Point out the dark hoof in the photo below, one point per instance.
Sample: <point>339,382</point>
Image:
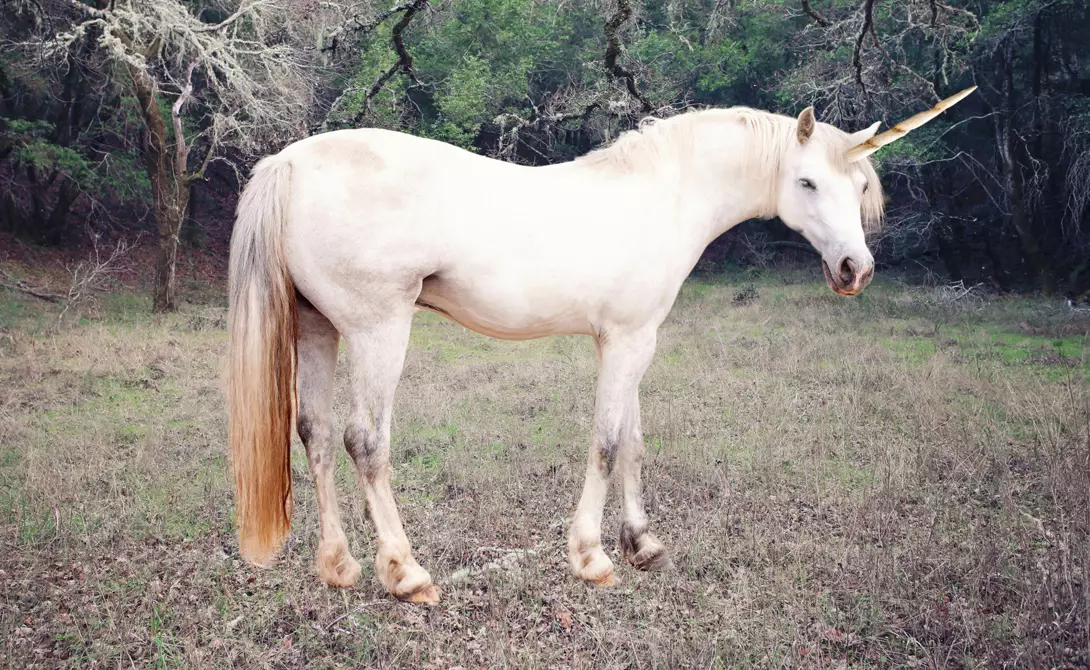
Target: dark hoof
<point>643,550</point>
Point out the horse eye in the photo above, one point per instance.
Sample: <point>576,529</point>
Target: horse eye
<point>807,184</point>
<point>866,187</point>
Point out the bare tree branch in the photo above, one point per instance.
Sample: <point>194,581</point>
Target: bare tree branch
<point>511,125</point>
<point>21,286</point>
<point>404,57</point>
<point>868,22</point>
<point>90,275</point>
<point>614,47</point>
<point>213,147</point>
<point>404,62</point>
<point>356,25</point>
<point>812,13</point>
<point>181,150</point>
<point>87,11</point>
<point>242,9</point>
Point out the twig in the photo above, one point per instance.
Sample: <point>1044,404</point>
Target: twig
<point>21,286</point>
<point>355,610</point>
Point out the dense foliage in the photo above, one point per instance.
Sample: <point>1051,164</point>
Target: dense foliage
<point>996,192</point>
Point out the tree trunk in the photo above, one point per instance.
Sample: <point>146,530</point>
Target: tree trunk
<point>35,219</point>
<point>949,256</point>
<point>67,193</point>
<point>169,191</point>
<point>169,223</point>
<point>11,219</point>
<point>1012,170</point>
<point>999,271</point>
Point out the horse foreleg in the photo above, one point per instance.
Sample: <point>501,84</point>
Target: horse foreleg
<point>640,548</point>
<point>622,360</point>
<point>317,360</point>
<point>376,356</point>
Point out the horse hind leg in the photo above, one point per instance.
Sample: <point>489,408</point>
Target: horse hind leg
<point>376,354</point>
<point>318,341</point>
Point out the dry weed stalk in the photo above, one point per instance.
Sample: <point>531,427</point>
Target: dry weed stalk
<point>957,291</point>
<point>92,274</point>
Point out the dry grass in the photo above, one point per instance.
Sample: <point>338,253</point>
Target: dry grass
<point>893,480</point>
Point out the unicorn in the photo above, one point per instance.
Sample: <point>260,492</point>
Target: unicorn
<point>346,234</point>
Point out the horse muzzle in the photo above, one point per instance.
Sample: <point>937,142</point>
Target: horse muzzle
<point>851,276</point>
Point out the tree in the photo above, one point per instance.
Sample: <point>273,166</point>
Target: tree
<point>245,83</point>
<point>63,135</point>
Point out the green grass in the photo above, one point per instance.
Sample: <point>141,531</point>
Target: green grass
<point>885,481</point>
<point>25,314</point>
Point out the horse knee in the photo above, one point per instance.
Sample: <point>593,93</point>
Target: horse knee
<point>367,449</point>
<point>608,444</point>
<point>615,445</point>
<point>315,435</point>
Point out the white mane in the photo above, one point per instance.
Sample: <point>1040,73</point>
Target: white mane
<point>657,140</point>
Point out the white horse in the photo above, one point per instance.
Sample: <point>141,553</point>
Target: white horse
<point>345,234</point>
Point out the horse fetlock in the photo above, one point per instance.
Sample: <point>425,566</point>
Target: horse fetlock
<point>643,550</point>
<point>404,578</point>
<point>336,567</point>
<point>589,562</point>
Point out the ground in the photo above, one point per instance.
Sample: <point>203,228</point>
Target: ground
<point>899,479</point>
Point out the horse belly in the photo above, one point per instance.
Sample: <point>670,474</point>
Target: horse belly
<point>507,308</point>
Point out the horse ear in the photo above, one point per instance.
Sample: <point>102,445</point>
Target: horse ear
<point>861,136</point>
<point>806,125</point>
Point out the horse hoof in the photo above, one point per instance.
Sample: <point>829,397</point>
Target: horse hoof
<point>405,579</point>
<point>644,551</point>
<point>429,595</point>
<point>592,565</point>
<point>606,581</point>
<point>336,567</point>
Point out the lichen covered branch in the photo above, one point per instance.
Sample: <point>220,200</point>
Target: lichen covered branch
<point>614,47</point>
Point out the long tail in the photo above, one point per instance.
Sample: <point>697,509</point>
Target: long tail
<point>263,326</point>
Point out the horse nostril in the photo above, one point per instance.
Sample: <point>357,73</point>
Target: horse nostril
<point>847,270</point>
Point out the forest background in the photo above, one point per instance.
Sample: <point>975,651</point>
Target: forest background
<point>131,120</point>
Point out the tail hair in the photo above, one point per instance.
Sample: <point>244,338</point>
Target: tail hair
<point>263,327</point>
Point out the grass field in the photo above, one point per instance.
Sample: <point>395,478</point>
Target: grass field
<point>895,480</point>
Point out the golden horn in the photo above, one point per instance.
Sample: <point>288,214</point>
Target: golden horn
<point>898,131</point>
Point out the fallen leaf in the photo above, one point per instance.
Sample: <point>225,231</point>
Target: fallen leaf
<point>564,618</point>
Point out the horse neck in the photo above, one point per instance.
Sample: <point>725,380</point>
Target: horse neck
<point>709,168</point>
<point>724,181</point>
